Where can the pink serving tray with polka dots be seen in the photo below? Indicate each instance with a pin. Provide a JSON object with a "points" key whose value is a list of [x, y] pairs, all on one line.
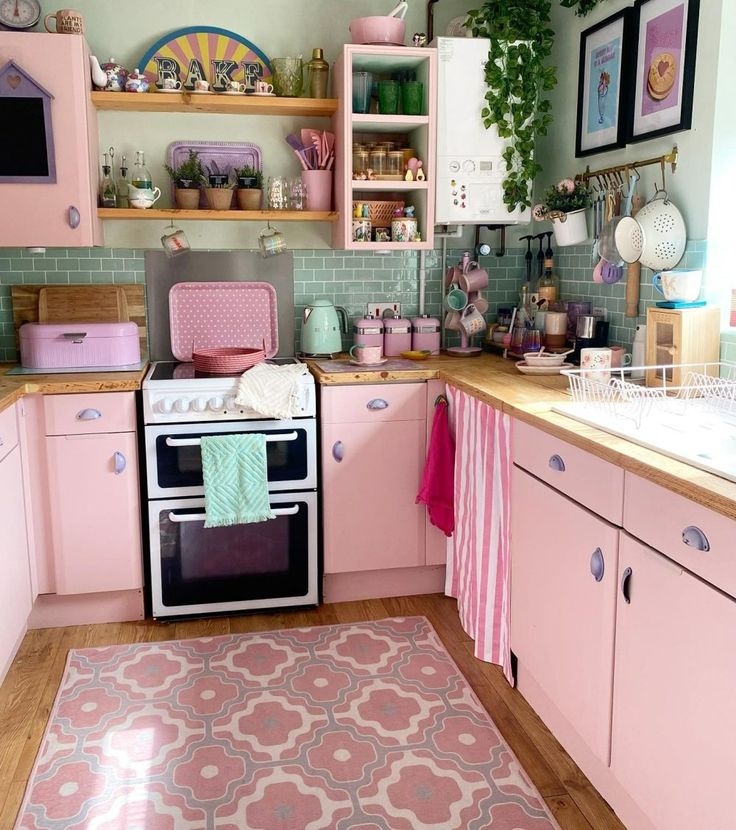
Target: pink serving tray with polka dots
{"points": [[207, 315]]}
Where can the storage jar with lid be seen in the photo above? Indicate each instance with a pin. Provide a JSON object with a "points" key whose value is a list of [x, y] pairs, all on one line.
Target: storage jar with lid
{"points": [[360, 160], [395, 163], [318, 74], [396, 336], [377, 162], [425, 334], [368, 331]]}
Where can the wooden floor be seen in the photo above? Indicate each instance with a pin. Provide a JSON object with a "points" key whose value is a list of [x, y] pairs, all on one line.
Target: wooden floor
{"points": [[29, 689]]}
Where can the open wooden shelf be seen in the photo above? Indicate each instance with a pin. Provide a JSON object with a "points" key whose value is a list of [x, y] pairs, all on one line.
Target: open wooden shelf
{"points": [[227, 104], [218, 215]]}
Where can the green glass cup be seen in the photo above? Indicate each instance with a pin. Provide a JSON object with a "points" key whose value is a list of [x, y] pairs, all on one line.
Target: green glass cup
{"points": [[412, 97], [388, 97]]}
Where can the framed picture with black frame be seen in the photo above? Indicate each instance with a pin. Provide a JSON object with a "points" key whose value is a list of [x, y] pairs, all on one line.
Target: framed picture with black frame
{"points": [[664, 74], [603, 84]]}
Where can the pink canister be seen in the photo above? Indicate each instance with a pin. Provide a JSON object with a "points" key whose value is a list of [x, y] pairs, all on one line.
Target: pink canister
{"points": [[368, 331], [425, 334], [396, 336]]}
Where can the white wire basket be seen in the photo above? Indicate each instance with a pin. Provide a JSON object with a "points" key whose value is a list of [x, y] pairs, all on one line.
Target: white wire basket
{"points": [[622, 393]]}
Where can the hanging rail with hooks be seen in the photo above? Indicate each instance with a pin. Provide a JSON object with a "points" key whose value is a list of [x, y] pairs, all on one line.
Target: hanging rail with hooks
{"points": [[668, 158]]}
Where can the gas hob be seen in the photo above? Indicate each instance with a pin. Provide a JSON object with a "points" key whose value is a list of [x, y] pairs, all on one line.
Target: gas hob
{"points": [[177, 393]]}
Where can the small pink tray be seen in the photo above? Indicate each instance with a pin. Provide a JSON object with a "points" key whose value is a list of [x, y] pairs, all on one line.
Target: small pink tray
{"points": [[212, 315]]}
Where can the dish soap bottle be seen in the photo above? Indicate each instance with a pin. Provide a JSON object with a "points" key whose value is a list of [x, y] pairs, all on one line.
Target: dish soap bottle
{"points": [[141, 178], [318, 74]]}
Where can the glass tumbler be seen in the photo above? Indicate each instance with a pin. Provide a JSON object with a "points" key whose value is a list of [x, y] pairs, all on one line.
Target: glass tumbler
{"points": [[297, 194], [412, 97], [388, 97], [278, 193], [288, 76], [362, 87]]}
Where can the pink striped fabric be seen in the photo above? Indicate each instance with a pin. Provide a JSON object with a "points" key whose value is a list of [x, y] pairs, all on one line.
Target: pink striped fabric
{"points": [[478, 567]]}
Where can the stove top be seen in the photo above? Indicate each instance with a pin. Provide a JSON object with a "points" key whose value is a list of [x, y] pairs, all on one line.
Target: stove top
{"points": [[171, 370]]}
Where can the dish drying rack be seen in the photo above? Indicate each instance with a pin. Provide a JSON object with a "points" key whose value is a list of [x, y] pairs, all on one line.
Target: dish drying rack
{"points": [[708, 388]]}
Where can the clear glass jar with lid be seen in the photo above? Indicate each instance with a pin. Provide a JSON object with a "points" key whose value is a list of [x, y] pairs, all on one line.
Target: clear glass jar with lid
{"points": [[360, 160], [395, 165], [378, 162]]}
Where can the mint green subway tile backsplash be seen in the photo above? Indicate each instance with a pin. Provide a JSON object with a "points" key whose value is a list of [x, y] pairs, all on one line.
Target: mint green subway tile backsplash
{"points": [[349, 279]]}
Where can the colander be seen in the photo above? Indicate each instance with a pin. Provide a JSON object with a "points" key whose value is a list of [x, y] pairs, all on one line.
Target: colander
{"points": [[663, 233], [629, 239]]}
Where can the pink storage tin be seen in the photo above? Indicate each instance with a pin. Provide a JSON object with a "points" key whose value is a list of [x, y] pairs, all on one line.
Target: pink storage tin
{"points": [[77, 345], [396, 336], [425, 334]]}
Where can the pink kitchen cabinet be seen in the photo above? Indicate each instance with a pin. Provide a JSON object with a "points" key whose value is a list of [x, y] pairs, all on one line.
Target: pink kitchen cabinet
{"points": [[15, 585], [61, 213], [95, 512], [563, 605], [373, 446], [674, 718]]}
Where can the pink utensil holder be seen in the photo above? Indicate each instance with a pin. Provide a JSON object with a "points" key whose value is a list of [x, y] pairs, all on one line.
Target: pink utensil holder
{"points": [[318, 184]]}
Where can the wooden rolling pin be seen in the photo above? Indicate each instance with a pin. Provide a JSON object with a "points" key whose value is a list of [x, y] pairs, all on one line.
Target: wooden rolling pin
{"points": [[633, 272]]}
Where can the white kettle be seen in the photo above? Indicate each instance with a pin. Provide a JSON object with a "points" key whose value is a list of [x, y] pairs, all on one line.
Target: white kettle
{"points": [[321, 331]]}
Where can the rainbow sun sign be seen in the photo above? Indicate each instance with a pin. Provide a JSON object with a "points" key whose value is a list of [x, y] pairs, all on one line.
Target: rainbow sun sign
{"points": [[205, 54]]}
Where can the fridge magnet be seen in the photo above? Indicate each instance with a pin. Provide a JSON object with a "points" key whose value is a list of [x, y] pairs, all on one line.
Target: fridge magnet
{"points": [[667, 32], [603, 79]]}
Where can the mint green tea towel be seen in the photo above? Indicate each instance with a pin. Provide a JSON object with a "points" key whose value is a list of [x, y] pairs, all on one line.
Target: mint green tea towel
{"points": [[235, 479]]}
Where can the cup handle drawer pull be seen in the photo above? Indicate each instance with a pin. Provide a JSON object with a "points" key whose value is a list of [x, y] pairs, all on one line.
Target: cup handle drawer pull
{"points": [[377, 403], [338, 451], [556, 463], [625, 580], [75, 217], [694, 537], [88, 414], [597, 564], [120, 463]]}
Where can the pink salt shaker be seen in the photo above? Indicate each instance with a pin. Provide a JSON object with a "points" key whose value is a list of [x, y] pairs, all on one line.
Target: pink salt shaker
{"points": [[425, 334], [396, 336]]}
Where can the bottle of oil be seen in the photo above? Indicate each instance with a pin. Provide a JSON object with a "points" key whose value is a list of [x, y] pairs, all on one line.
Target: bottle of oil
{"points": [[548, 288], [108, 193]]}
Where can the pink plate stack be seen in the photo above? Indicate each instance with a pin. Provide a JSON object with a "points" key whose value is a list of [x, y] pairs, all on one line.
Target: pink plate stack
{"points": [[225, 361]]}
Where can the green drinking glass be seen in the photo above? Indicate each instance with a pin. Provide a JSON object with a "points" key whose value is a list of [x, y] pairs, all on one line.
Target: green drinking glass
{"points": [[388, 97], [412, 97]]}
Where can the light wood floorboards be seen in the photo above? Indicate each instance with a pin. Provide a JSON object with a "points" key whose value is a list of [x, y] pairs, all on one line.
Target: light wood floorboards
{"points": [[28, 693]]}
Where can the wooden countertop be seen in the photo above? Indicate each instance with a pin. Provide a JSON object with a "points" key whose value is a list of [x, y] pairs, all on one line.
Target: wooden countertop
{"points": [[13, 387], [531, 398]]}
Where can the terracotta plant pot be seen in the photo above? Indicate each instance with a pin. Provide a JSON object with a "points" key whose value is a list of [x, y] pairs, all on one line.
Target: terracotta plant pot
{"points": [[249, 198], [187, 198], [219, 198]]}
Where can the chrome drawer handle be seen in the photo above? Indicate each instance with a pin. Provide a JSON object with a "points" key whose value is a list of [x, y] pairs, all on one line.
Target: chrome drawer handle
{"points": [[694, 537], [556, 463], [75, 217], [597, 564], [120, 463], [74, 336], [196, 442], [338, 451], [88, 414], [377, 403]]}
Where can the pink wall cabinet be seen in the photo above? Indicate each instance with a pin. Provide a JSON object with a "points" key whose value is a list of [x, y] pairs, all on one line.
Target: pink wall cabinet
{"points": [[373, 445], [95, 512], [15, 585], [674, 717], [563, 604], [48, 168]]}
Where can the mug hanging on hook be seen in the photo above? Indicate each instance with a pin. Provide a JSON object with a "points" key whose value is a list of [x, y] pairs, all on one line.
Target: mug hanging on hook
{"points": [[174, 241], [271, 241]]}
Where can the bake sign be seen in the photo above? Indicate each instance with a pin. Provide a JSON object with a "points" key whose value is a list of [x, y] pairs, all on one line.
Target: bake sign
{"points": [[205, 54]]}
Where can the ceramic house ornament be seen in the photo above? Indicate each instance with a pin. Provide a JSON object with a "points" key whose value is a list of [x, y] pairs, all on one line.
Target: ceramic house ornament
{"points": [[25, 111]]}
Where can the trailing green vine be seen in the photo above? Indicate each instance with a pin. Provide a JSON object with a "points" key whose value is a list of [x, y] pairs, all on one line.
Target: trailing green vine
{"points": [[583, 6], [517, 78]]}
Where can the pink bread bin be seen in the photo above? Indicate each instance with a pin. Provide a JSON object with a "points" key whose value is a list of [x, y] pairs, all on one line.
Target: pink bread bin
{"points": [[78, 345], [388, 30]]}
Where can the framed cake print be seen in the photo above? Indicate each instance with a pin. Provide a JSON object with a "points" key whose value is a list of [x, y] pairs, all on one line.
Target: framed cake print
{"points": [[603, 77], [665, 67]]}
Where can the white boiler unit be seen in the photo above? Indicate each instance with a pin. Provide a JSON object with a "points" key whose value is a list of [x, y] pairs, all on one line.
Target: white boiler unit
{"points": [[470, 167]]}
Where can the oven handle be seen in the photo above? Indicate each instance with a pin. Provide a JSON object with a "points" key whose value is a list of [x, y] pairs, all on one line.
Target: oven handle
{"points": [[200, 517], [196, 442]]}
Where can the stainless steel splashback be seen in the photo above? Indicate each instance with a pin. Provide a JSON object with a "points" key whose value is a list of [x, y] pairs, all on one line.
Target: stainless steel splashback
{"points": [[215, 266]]}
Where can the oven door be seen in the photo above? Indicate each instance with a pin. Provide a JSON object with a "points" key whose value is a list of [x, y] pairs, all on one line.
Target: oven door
{"points": [[174, 460], [198, 570]]}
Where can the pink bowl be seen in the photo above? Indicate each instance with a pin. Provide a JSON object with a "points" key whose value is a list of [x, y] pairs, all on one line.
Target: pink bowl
{"points": [[378, 30], [225, 360]]}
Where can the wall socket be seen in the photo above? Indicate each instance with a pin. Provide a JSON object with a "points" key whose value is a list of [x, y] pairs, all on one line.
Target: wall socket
{"points": [[377, 309]]}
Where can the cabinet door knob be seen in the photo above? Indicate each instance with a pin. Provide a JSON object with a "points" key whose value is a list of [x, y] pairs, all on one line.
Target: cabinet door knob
{"points": [[75, 217], [338, 451], [88, 414], [625, 580], [597, 564], [120, 463], [377, 403], [695, 538], [556, 463]]}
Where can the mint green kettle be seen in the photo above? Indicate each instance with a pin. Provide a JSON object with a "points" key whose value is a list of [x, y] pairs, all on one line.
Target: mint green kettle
{"points": [[321, 328]]}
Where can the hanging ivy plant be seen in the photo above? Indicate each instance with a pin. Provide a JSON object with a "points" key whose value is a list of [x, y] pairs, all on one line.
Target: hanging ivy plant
{"points": [[582, 7], [517, 78]]}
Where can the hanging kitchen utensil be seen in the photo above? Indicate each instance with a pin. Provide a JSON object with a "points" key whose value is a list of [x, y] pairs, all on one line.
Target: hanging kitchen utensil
{"points": [[549, 253], [528, 257], [540, 255], [633, 272], [607, 246], [663, 231]]}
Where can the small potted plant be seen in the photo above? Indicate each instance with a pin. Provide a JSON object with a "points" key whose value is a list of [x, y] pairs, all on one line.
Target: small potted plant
{"points": [[187, 178], [564, 204], [250, 187], [220, 194]]}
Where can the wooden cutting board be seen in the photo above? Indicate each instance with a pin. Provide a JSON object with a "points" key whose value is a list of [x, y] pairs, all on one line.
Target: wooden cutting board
{"points": [[80, 303]]}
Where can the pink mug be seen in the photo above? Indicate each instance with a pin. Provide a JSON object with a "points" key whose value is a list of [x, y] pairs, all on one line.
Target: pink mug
{"points": [[473, 279], [619, 357], [366, 354]]}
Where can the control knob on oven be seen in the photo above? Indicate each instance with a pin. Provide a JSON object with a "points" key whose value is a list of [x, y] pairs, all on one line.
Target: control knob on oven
{"points": [[181, 405], [164, 405], [216, 403], [199, 404]]}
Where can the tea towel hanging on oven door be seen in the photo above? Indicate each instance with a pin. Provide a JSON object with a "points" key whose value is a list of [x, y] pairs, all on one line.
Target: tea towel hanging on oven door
{"points": [[271, 391]]}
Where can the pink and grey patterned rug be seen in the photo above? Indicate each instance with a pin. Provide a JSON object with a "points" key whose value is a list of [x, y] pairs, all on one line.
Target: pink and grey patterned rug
{"points": [[346, 727]]}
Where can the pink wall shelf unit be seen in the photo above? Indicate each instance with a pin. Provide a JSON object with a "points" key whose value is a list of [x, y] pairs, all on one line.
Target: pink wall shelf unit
{"points": [[350, 127]]}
